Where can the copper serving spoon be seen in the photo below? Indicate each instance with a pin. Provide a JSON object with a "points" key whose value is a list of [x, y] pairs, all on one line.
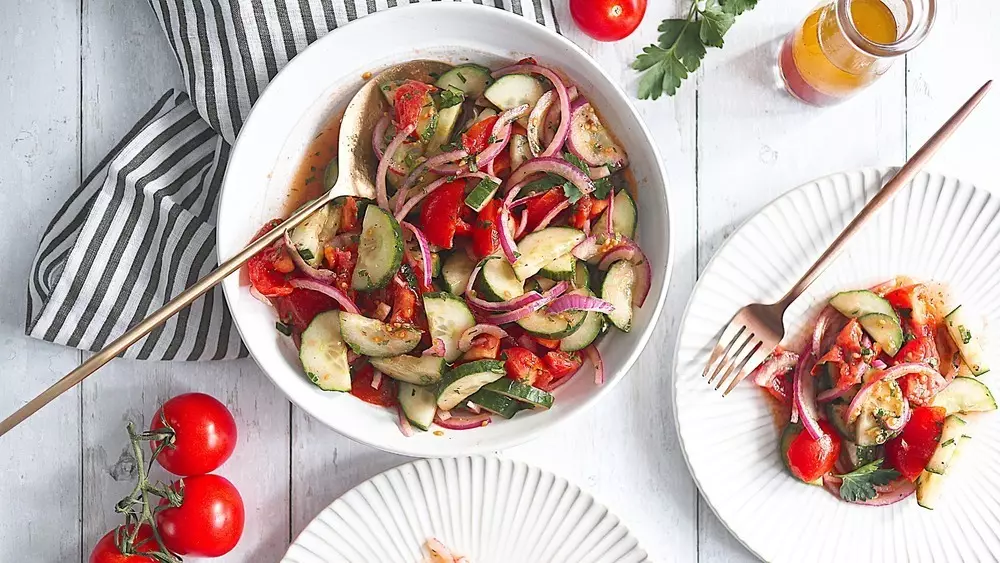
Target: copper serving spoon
{"points": [[357, 165]]}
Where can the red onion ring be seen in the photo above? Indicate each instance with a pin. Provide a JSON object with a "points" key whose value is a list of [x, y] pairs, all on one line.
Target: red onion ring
{"points": [[831, 394], [501, 306], [598, 172], [804, 393], [473, 407], [773, 366], [535, 119], [437, 349], [404, 423], [594, 356], [625, 249], [891, 374], [562, 206], [507, 243], [378, 134], [528, 344], [462, 422], [901, 489], [879, 364], [501, 135], [259, 296], [403, 209], [519, 202], [325, 276], [553, 165], [345, 302], [610, 213], [822, 322], [522, 226], [383, 165], [428, 164], [382, 311], [563, 132], [425, 252], [465, 342], [577, 302], [520, 313]]}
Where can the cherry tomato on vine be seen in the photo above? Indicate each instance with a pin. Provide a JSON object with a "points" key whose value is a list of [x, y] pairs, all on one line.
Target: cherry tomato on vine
{"points": [[608, 20], [106, 550], [209, 521], [204, 434]]}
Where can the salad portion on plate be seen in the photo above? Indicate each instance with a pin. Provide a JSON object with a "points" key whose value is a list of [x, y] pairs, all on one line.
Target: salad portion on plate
{"points": [[498, 249], [878, 398]]}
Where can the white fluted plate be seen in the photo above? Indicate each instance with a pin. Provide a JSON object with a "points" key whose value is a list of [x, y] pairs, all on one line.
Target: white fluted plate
{"points": [[937, 228], [488, 509]]}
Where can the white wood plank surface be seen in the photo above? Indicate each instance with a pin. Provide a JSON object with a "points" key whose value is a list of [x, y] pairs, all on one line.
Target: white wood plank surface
{"points": [[731, 140]]}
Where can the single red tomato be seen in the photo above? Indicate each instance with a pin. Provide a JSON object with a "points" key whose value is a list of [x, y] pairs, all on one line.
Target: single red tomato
{"points": [[361, 387], [209, 521], [540, 206], [562, 364], [521, 365], [810, 459], [410, 100], [597, 206], [909, 452], [205, 434], [607, 20], [439, 215], [477, 137], [263, 268], [106, 550]]}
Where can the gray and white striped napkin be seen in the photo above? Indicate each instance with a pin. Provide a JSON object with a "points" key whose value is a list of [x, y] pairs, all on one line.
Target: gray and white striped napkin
{"points": [[141, 228]]}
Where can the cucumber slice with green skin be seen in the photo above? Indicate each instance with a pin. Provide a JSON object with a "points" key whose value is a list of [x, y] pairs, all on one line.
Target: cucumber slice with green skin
{"points": [[481, 194], [835, 414], [861, 302], [446, 121], [617, 290], [881, 414], [885, 330], [419, 405], [930, 485], [324, 355], [581, 275], [375, 339], [427, 121], [498, 404], [471, 79], [626, 217], [862, 455], [313, 233], [954, 428], [554, 325], [456, 271], [380, 250], [435, 265], [460, 383], [562, 268], [965, 394], [413, 251], [448, 317], [967, 340], [416, 370], [520, 151], [787, 435], [522, 392], [540, 248], [497, 281], [514, 90], [406, 158], [592, 327]]}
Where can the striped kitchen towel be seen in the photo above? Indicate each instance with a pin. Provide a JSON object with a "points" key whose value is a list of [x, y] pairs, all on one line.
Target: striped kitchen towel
{"points": [[141, 228]]}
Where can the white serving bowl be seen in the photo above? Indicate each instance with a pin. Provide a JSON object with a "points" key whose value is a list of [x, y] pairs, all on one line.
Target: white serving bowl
{"points": [[318, 82]]}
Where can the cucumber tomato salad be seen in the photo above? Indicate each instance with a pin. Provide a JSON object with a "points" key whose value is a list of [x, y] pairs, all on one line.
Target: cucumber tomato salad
{"points": [[881, 394], [498, 249]]}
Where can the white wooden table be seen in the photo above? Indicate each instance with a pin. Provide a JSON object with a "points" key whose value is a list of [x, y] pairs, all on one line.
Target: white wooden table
{"points": [[75, 77]]}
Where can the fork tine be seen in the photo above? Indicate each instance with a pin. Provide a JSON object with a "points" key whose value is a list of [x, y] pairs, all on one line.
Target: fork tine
{"points": [[723, 345], [739, 359], [745, 337], [755, 359]]}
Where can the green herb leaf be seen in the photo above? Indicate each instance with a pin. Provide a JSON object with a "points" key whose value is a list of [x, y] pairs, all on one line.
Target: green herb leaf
{"points": [[859, 485], [306, 254], [737, 7], [283, 328], [409, 276], [714, 25], [965, 334], [450, 97], [602, 188]]}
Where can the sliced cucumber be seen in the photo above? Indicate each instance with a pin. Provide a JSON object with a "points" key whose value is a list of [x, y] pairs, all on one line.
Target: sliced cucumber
{"points": [[861, 455], [435, 265], [458, 384], [497, 281], [617, 290], [375, 339], [447, 119], [562, 268], [625, 219], [514, 90], [456, 271], [427, 121], [522, 392], [313, 233], [555, 325], [930, 485], [417, 370], [835, 412], [581, 277], [965, 394], [787, 435], [413, 251], [540, 248], [324, 355], [498, 404], [471, 79], [861, 302], [592, 327], [954, 428], [380, 250], [448, 317], [520, 152], [481, 194], [419, 405], [885, 330], [881, 414], [968, 341]]}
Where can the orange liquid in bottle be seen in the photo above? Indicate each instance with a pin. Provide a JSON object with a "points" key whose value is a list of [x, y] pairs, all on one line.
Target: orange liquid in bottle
{"points": [[821, 66]]}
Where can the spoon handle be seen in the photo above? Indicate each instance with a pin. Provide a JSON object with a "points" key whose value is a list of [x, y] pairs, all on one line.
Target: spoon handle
{"points": [[161, 315]]}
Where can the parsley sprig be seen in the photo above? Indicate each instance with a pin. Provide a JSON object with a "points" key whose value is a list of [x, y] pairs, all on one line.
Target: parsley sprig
{"points": [[859, 485], [682, 45]]}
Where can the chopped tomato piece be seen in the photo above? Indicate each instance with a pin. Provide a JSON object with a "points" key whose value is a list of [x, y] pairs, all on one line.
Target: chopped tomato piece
{"points": [[550, 343], [410, 99], [781, 387], [810, 459], [361, 387], [919, 388], [477, 138], [849, 356], [910, 301], [523, 366], [599, 205], [439, 215], [299, 308], [501, 165], [562, 364], [485, 233], [581, 212], [484, 347], [404, 305], [909, 452], [349, 215], [540, 206], [263, 268]]}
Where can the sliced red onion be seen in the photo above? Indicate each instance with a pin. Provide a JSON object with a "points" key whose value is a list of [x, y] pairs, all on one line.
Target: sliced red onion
{"points": [[835, 393], [522, 225], [383, 165], [577, 302], [472, 278], [598, 172], [376, 379], [528, 344], [621, 253], [560, 382], [501, 135], [879, 364], [325, 276], [553, 165], [425, 252], [443, 415], [564, 110], [804, 393], [819, 331], [430, 163], [507, 243], [553, 117], [595, 245], [519, 202], [536, 119], [520, 313], [345, 302], [437, 349], [586, 226], [610, 213], [352, 356], [594, 356], [463, 422], [404, 423], [382, 311], [501, 306], [404, 206], [465, 342], [344, 240], [562, 206], [773, 366], [899, 490], [378, 135], [473, 407], [891, 374], [259, 296]]}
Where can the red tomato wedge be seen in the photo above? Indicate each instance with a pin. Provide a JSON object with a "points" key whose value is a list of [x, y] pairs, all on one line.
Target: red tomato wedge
{"points": [[410, 99], [477, 137], [810, 459], [361, 387], [439, 215], [909, 452]]}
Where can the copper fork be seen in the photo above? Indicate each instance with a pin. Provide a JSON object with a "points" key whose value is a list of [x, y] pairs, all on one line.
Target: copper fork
{"points": [[755, 330]]}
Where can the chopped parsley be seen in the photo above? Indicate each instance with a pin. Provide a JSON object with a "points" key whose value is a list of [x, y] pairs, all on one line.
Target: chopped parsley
{"points": [[964, 334], [306, 254], [283, 328], [460, 76], [867, 353], [450, 97], [859, 485]]}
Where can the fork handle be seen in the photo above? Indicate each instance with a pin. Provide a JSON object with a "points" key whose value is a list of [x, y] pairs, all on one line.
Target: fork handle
{"points": [[902, 178]]}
